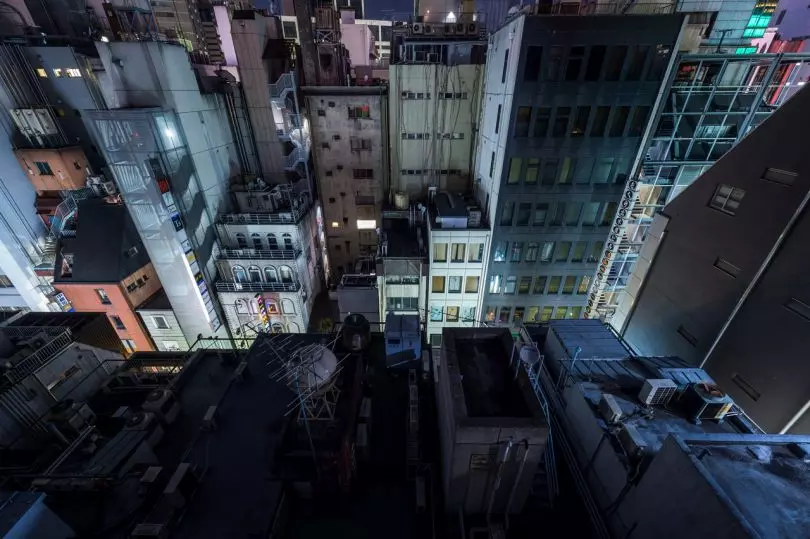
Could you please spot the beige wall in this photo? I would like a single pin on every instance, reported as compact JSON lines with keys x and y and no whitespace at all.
{"x":67,"y":164}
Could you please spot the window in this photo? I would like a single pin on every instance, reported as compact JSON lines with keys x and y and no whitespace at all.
{"x":321,"y":112}
{"x":638,"y":57}
{"x":160,"y":322}
{"x":5,"y":282}
{"x":117,"y":322}
{"x":574,"y":65}
{"x":103,"y":297}
{"x":531,"y":252}
{"x":691,"y":339}
{"x":554,"y":64}
{"x":524,"y":115}
{"x":440,"y":252}
{"x":363,"y":173}
{"x":504,"y":314}
{"x":457,"y":252}
{"x":518,"y":316}
{"x":798,"y":307}
{"x":726,"y":267}
{"x":515,"y":166}
{"x":516,"y":255}
{"x":366,"y":224}
{"x":615,"y":63}
{"x":505,"y":66}
{"x":534,"y":62}
{"x":747,"y":388}
{"x":471,"y":285}
{"x":57,"y":73}
{"x":270,"y":274}
{"x":539,"y":284}
{"x":524,"y":214}
{"x":257,"y":241}
{"x":239,"y":274}
{"x":511,"y":283}
{"x":619,"y":120}
{"x":559,"y":314}
{"x":546,"y":251}
{"x":452,"y":313}
{"x":602,"y":170}
{"x":545,"y":316}
{"x":595,"y":60}
{"x":569,"y":165}
{"x":579,"y":251}
{"x":525,"y":285}
{"x":580,"y":121}
{"x":43,"y":168}
{"x":574,"y":313}
{"x":590,"y":214}
{"x":549,"y":173}
{"x":584,"y":284}
{"x":596,"y":251}
{"x":489,"y":316}
{"x":532,"y":314}
{"x":73,"y":72}
{"x":559,"y":214}
{"x":561,"y":122}
{"x":437,"y":284}
{"x":361,"y":112}
{"x":554,"y":284}
{"x":494,"y":286}
{"x":491,"y":164}
{"x":610,"y":213}
{"x":532,"y":171}
{"x":498,"y":120}
{"x":782,"y":177}
{"x":410,"y":304}
{"x":727,"y":199}
{"x":569,"y":284}
{"x":436,"y":313}
{"x":476,"y":252}
{"x":500,"y":251}
{"x":542,"y":119}
{"x":563,"y":251}
{"x":540,"y":214}
{"x":454,"y":284}
{"x":255,"y":274}
{"x":285,"y":274}
{"x":600,"y":121}
{"x":639,"y":121}
{"x":572,"y":211}
{"x":42,"y":73}
{"x":508,"y":214}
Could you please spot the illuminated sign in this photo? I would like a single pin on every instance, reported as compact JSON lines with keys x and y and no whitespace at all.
{"x":263,"y":315}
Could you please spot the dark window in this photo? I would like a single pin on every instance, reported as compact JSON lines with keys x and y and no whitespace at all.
{"x":574,"y":65}
{"x":335,"y":137}
{"x":505,"y":66}
{"x":321,"y":112}
{"x":102,"y":296}
{"x":76,"y":165}
{"x":491,"y":164}
{"x":638,"y":57}
{"x":615,"y":63}
{"x":747,"y":388}
{"x":534,"y":61}
{"x":363,"y":111}
{"x":5,"y":282}
{"x":691,"y":339}
{"x":363,"y":173}
{"x":561,"y":121}
{"x":554,"y":64}
{"x":508,"y":213}
{"x":541,"y":122}
{"x":782,"y":177}
{"x":619,"y":120}
{"x":524,"y":214}
{"x":659,"y":63}
{"x":600,"y":121}
{"x":117,"y":322}
{"x":726,"y":267}
{"x":639,"y":121}
{"x":328,"y":173}
{"x":549,"y":173}
{"x":524,"y":115}
{"x":498,"y":120}
{"x":595,"y":62}
{"x":44,"y":168}
{"x":580,"y":121}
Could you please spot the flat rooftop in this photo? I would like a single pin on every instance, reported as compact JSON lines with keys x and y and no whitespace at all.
{"x":402,"y":239}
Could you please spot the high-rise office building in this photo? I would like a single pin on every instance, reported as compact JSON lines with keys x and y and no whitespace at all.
{"x":566,"y":102}
{"x":721,"y":279}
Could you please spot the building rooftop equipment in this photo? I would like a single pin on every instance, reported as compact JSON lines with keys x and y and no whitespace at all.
{"x":455,"y":211}
{"x":402,"y":238}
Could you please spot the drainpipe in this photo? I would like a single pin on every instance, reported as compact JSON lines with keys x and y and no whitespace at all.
{"x":755,"y":280}
{"x":517,"y":480}
{"x":496,"y":485}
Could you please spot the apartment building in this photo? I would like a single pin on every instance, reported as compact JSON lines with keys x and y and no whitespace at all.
{"x":565,"y":106}
{"x":349,"y":128}
{"x":459,"y":239}
{"x":402,"y":268}
{"x":720,"y":280}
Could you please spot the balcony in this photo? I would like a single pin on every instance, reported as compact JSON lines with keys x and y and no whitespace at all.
{"x":283,"y":217}
{"x":52,"y":347}
{"x":229,"y":286}
{"x":259,"y":254}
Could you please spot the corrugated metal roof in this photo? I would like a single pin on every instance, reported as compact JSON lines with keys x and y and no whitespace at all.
{"x":593,"y":338}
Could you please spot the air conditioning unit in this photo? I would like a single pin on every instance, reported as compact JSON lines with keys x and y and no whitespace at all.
{"x":145,"y":530}
{"x":429,"y":30}
{"x":163,"y":404}
{"x":657,"y":392}
{"x":460,"y":29}
{"x":632,"y":442}
{"x":610,"y":409}
{"x":418,"y":29}
{"x":473,"y":29}
{"x":705,"y":400}
{"x":146,"y":422}
{"x":449,"y":29}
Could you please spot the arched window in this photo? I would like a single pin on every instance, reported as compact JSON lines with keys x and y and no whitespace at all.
{"x":272,"y":242}
{"x":276,"y":327}
{"x":239,"y":274}
{"x":241,"y":306}
{"x":287,"y":239}
{"x":255,"y":274}
{"x":286,"y":274}
{"x":270,"y":274}
{"x":241,"y":241}
{"x":287,"y":306}
{"x":257,"y":241}
{"x":293,"y":327}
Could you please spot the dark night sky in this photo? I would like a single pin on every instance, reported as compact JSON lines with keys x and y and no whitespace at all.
{"x":383,"y":9}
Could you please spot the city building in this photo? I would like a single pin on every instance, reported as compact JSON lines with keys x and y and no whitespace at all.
{"x":105,"y":268}
{"x":566,"y":103}
{"x":358,"y":296}
{"x":651,"y":437}
{"x":270,"y":267}
{"x":402,"y":263}
{"x":380,"y":31}
{"x":459,"y":238}
{"x":349,"y":128}
{"x":718,"y":280}
{"x":158,"y":318}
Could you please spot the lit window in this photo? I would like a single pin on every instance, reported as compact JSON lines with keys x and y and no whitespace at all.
{"x":73,"y":72}
{"x":366,"y":224}
{"x":727,"y":199}
{"x":42,"y":73}
{"x":335,"y":224}
{"x":57,"y":73}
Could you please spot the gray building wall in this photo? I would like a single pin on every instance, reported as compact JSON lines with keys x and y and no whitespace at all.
{"x":685,"y":300}
{"x":166,"y":339}
{"x":525,"y":169}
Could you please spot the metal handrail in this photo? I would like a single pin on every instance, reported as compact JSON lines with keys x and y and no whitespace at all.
{"x":285,"y":83}
{"x":260,"y":254}
{"x":228,"y":286}
{"x":42,"y":356}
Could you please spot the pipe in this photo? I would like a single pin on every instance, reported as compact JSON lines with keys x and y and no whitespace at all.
{"x":760,"y":272}
{"x":795,"y":418}
{"x":517,"y":480}
{"x":497,"y":483}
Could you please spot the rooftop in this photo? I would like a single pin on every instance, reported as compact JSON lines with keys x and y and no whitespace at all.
{"x":400,"y":238}
{"x":106,"y":249}
{"x":455,"y":211}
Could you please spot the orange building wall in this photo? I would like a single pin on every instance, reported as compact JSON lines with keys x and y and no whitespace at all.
{"x":63,"y":162}
{"x":83,"y":297}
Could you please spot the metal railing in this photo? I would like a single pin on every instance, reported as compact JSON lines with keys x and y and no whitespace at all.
{"x":284,"y":84}
{"x":227,"y":286}
{"x":298,"y":155}
{"x":42,"y":356}
{"x":283,"y":217}
{"x":260,"y":254}
{"x":604,"y":8}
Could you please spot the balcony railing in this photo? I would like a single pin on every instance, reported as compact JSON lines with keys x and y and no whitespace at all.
{"x":42,"y":356}
{"x":284,"y":84}
{"x":283,"y":217}
{"x":260,"y":254}
{"x":226,"y":286}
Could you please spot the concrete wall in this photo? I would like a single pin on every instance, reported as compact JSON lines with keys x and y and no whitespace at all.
{"x":168,"y":339}
{"x":69,"y":168}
